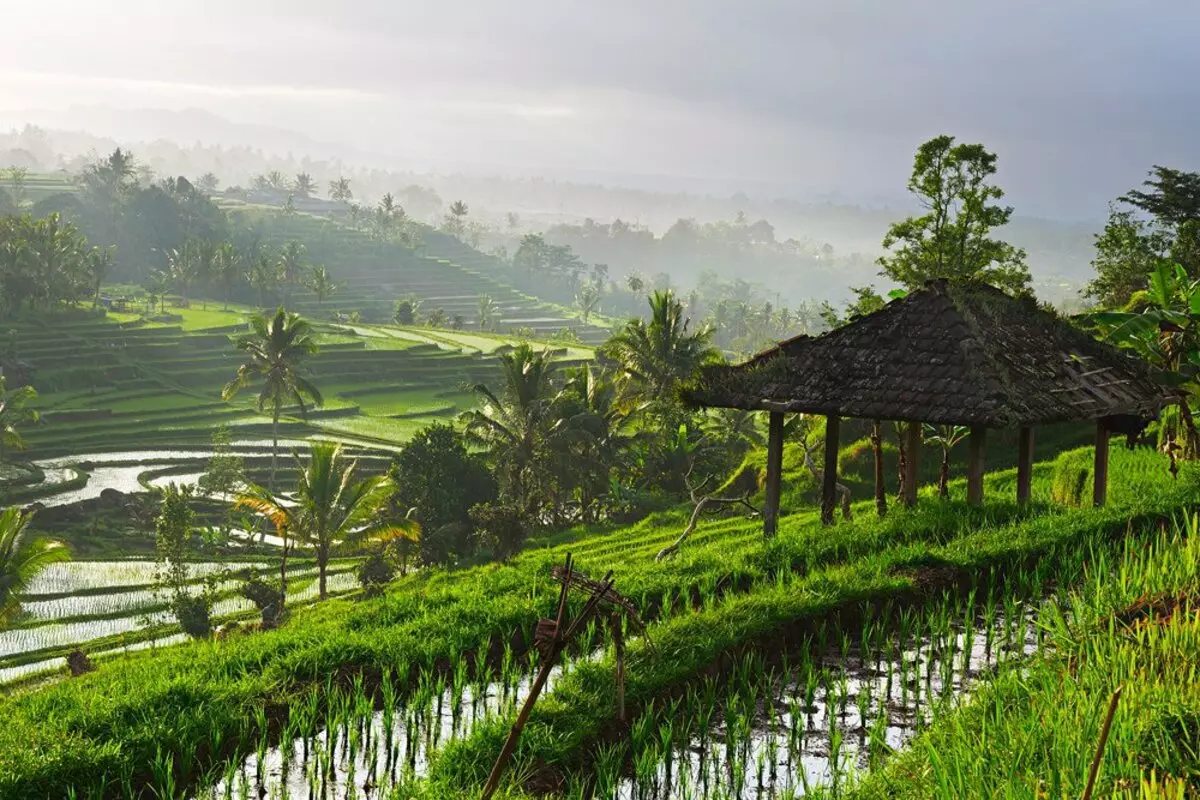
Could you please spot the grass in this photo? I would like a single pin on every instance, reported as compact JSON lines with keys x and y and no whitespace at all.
{"x":110,"y":725}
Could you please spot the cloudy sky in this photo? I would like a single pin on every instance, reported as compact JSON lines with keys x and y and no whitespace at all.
{"x":1078,"y":97}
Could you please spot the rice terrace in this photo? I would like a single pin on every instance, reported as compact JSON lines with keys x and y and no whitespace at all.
{"x":313,"y":485}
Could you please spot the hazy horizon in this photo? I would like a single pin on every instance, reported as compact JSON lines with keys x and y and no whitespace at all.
{"x":1078,"y":98}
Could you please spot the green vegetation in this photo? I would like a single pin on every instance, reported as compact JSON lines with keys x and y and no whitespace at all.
{"x":21,"y":559}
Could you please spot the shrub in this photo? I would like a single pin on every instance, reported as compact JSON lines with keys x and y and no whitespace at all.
{"x":375,"y":572}
{"x":266,"y":598}
{"x":501,"y":527}
{"x":1072,"y":477}
{"x":194,"y":614}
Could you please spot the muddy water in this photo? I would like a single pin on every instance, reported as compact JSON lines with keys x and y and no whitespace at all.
{"x":784,"y":734}
{"x":369,"y":752}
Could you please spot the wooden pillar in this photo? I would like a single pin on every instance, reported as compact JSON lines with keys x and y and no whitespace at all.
{"x":829,"y":476}
{"x":1100,"y":468}
{"x":976,"y":446}
{"x":912,"y":446}
{"x":619,"y":653}
{"x":877,"y":448}
{"x":1024,"y":465}
{"x":774,"y":469}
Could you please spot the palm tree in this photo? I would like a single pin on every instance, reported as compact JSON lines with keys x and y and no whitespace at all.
{"x":437,"y":318}
{"x":489,"y":313}
{"x":948,"y":437}
{"x":329,"y":507}
{"x":339,"y":190}
{"x":304,"y":185}
{"x":275,"y":180}
{"x":587,"y":300}
{"x":98,"y":263}
{"x":15,"y":412}
{"x":635,"y":282}
{"x":292,"y":260}
{"x":226,"y":264}
{"x":658,"y":356}
{"x":263,"y":276}
{"x":274,"y":350}
{"x":321,"y":284}
{"x":21,"y":559}
{"x":183,"y":267}
{"x":513,"y":424}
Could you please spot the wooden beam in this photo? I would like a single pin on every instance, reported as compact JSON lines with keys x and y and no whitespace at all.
{"x":774,"y":470}
{"x":976,"y":446}
{"x":1024,"y":465}
{"x":829,"y":476}
{"x":912,"y":447}
{"x":1100,"y":468}
{"x":877,"y":448}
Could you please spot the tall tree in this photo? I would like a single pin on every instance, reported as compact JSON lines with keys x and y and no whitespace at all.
{"x":1126,"y":252}
{"x":275,"y":349}
{"x":263,"y":276}
{"x":293,"y":260}
{"x":489,"y":313}
{"x":21,"y":559}
{"x":304,"y":185}
{"x":951,"y":239}
{"x":208,"y":183}
{"x":227,"y":263}
{"x":98,"y":263}
{"x":657,"y":356}
{"x":15,"y":413}
{"x":330,"y":507}
{"x":587,"y":300}
{"x":340,"y":191}
{"x":321,"y":284}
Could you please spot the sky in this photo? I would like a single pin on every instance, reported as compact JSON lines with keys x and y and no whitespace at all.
{"x":809,"y":97}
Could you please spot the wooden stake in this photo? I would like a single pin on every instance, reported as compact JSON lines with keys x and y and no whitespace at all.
{"x":1100,"y":468}
{"x":1024,"y":465}
{"x":774,"y":470}
{"x":877,"y":448}
{"x":912,"y":436}
{"x":619,"y":652}
{"x":975,"y":447}
{"x":1099,"y":756}
{"x":829,"y":476}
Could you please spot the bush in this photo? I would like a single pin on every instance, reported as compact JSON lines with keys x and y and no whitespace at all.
{"x":194,"y":614}
{"x":447,"y":545}
{"x":375,"y":573}
{"x":500,"y":527}
{"x":266,"y":598}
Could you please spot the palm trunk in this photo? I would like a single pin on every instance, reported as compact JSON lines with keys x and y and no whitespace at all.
{"x":283,"y":572}
{"x":944,"y":474}
{"x":274,"y":443}
{"x":880,"y":489}
{"x":322,"y":564}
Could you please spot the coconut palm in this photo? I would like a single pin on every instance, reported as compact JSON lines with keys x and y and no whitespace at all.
{"x":329,"y":507}
{"x":292,"y":260}
{"x":274,"y":350}
{"x":339,"y":190}
{"x":263,"y":276}
{"x":15,"y":412}
{"x":489,"y":313}
{"x":304,"y":185}
{"x":226,"y":268}
{"x":98,"y":262}
{"x":321,"y":284}
{"x":514,"y":422}
{"x":657,"y":356}
{"x":947,"y":437}
{"x":588,"y":300}
{"x":21,"y":558}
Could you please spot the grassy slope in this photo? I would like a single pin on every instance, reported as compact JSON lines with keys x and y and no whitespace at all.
{"x":1034,"y":731}
{"x":112,"y":723}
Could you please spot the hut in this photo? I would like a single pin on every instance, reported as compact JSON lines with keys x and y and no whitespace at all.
{"x":949,"y":353}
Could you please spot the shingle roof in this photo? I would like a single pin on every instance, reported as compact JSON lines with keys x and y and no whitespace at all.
{"x":964,"y":354}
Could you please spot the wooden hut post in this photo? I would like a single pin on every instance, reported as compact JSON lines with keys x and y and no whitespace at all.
{"x":912,"y":447}
{"x":877,"y":448}
{"x":829,"y":476}
{"x":1100,"y":468}
{"x":774,"y":469}
{"x":1024,"y":464}
{"x":975,"y":455}
{"x":619,"y":653}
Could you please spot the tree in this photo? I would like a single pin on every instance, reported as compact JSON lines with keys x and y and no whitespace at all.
{"x":304,"y":185}
{"x":321,"y":284}
{"x":456,"y":220}
{"x":275,"y":180}
{"x":489,"y":313}
{"x":208,"y":183}
{"x":1126,"y":253}
{"x":513,"y":424}
{"x":513,"y":219}
{"x":437,"y":318}
{"x":15,"y":412}
{"x":225,"y":473}
{"x":293,"y":260}
{"x":21,"y":559}
{"x":950,"y":240}
{"x":183,"y":267}
{"x":330,"y":507}
{"x":172,"y":532}
{"x":339,"y":190}
{"x":635,"y":282}
{"x":99,"y":262}
{"x":226,"y":269}
{"x":263,"y":276}
{"x":406,"y":311}
{"x":587,"y":300}
{"x":274,"y":350}
{"x":502,"y":527}
{"x":438,"y":480}
{"x":947,"y":437}
{"x":656,"y":357}
{"x":16,"y":181}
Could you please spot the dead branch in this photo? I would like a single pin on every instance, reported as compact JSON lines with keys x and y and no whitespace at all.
{"x":701,"y":504}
